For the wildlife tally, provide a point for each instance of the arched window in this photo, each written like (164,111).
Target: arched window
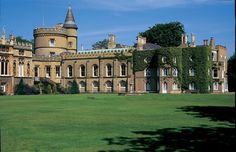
(215,86)
(21,69)
(69,71)
(14,68)
(28,69)
(108,84)
(95,84)
(191,86)
(191,72)
(109,70)
(82,71)
(175,86)
(175,72)
(122,84)
(122,70)
(6,67)
(82,84)
(164,87)
(95,70)
(164,72)
(2,67)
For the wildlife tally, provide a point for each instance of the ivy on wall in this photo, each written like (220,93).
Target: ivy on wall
(198,58)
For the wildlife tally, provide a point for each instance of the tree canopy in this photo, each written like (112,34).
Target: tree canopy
(21,39)
(165,35)
(231,73)
(100,45)
(74,89)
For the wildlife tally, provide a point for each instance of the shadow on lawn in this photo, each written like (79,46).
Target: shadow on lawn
(196,139)
(215,113)
(191,139)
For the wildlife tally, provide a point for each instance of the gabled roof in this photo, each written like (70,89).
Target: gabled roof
(70,21)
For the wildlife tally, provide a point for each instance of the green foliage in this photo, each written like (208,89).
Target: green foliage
(100,45)
(20,88)
(24,89)
(197,58)
(22,40)
(231,73)
(165,35)
(122,57)
(74,89)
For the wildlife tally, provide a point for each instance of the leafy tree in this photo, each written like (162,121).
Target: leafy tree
(231,74)
(21,39)
(165,35)
(74,89)
(20,88)
(100,44)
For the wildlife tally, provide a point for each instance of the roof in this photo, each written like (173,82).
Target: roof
(151,46)
(70,21)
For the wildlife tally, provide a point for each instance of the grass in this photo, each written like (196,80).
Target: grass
(98,122)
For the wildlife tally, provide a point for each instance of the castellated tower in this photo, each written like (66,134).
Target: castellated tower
(56,40)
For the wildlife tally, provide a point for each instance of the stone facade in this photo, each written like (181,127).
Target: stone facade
(56,58)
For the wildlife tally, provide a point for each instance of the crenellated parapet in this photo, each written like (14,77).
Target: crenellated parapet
(54,30)
(99,53)
(21,45)
(46,58)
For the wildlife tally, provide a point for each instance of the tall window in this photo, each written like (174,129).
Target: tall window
(2,67)
(58,71)
(122,84)
(95,70)
(14,68)
(51,42)
(36,71)
(215,86)
(28,69)
(148,72)
(191,86)
(164,72)
(82,71)
(175,72)
(122,70)
(191,72)
(6,67)
(108,70)
(175,86)
(48,71)
(214,56)
(174,60)
(21,69)
(215,73)
(69,71)
(109,84)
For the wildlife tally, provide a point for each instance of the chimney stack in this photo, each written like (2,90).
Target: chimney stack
(193,40)
(212,43)
(205,42)
(111,41)
(141,42)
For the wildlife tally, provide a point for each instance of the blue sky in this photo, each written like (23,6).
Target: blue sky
(125,18)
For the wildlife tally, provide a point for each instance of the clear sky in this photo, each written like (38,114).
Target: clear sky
(125,18)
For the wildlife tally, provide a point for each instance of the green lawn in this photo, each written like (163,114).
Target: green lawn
(108,122)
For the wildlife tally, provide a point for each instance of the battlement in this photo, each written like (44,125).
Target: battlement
(96,53)
(54,30)
(46,58)
(21,45)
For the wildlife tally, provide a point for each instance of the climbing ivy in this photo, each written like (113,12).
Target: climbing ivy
(186,58)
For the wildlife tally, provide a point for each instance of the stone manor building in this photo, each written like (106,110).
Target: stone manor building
(58,60)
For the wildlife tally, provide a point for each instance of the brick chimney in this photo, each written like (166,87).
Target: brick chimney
(141,42)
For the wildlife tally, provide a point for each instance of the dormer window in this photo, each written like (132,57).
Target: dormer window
(52,42)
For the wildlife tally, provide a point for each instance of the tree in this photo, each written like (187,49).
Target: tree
(22,40)
(100,44)
(74,89)
(20,88)
(165,35)
(231,73)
